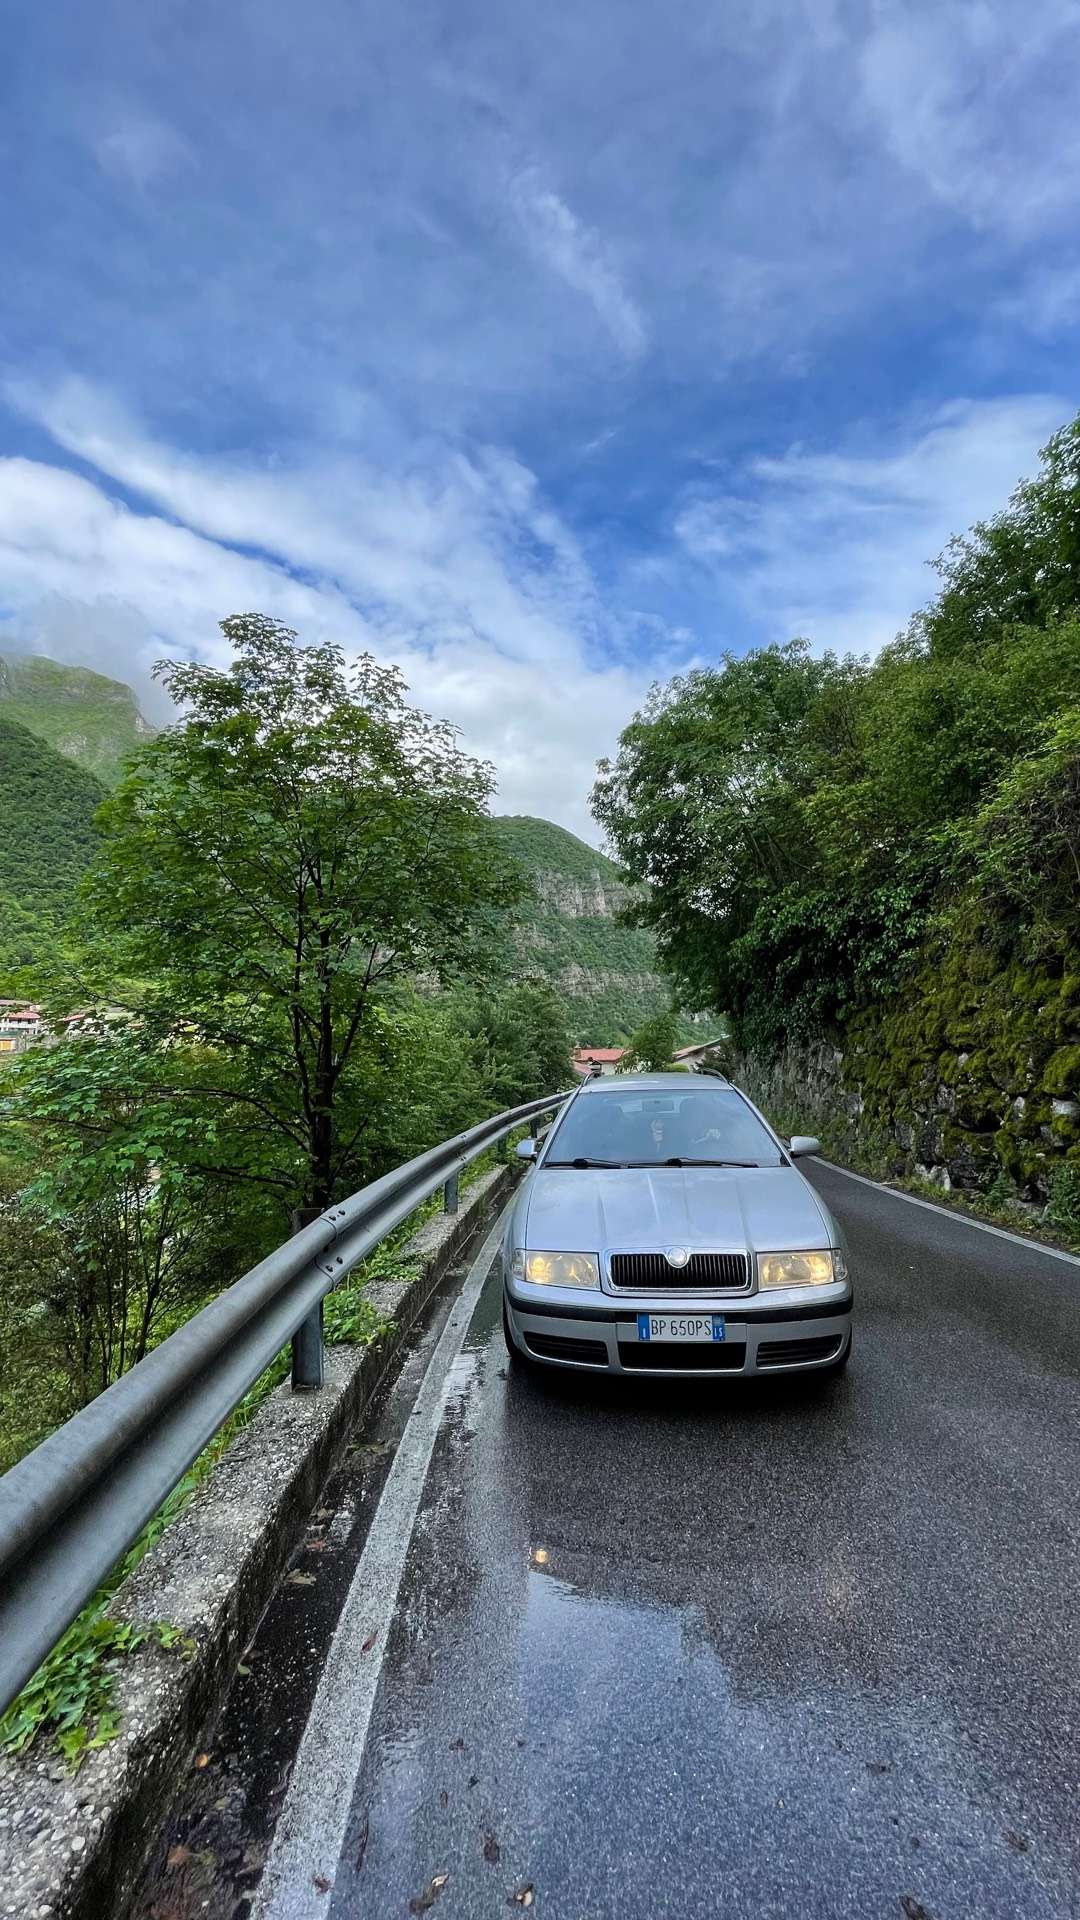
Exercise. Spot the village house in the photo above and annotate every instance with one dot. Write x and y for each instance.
(20, 1024)
(589, 1060)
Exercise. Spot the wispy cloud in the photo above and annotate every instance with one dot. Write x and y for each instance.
(463, 575)
(427, 335)
(139, 149)
(948, 90)
(578, 255)
(835, 545)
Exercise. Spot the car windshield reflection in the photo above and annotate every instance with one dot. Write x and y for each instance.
(704, 1127)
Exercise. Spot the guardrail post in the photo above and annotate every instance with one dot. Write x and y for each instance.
(534, 1125)
(307, 1341)
(450, 1193)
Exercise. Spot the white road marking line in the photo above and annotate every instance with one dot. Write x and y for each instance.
(310, 1832)
(958, 1219)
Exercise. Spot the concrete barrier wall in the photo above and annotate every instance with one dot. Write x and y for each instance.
(71, 1846)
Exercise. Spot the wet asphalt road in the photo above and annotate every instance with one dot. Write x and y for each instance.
(798, 1649)
(785, 1650)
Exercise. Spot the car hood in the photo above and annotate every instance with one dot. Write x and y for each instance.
(590, 1210)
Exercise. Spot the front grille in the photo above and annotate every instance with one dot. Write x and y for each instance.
(719, 1356)
(703, 1273)
(793, 1353)
(559, 1346)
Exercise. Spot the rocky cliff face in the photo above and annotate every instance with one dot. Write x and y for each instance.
(593, 899)
(570, 933)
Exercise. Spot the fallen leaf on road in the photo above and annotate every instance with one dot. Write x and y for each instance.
(321, 1883)
(246, 1671)
(202, 1759)
(458, 1745)
(317, 1545)
(913, 1909)
(878, 1766)
(523, 1897)
(369, 1642)
(444, 1798)
(492, 1851)
(474, 1779)
(1016, 1841)
(430, 1894)
(177, 1857)
(300, 1579)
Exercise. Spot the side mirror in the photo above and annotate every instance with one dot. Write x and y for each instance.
(526, 1149)
(802, 1144)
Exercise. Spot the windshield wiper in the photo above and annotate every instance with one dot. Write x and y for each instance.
(581, 1161)
(677, 1161)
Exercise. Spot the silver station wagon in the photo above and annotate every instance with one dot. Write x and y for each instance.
(664, 1229)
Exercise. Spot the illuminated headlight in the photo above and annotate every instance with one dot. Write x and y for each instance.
(799, 1269)
(557, 1269)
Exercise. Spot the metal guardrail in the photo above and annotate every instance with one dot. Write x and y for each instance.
(70, 1509)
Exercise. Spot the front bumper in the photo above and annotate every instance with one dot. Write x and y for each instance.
(790, 1332)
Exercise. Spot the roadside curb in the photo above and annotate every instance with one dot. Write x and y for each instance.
(71, 1847)
(957, 1214)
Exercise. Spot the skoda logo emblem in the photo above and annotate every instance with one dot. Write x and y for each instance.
(676, 1256)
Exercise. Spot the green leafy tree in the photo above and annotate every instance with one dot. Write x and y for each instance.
(1026, 842)
(521, 1043)
(652, 1047)
(709, 801)
(116, 1230)
(810, 826)
(271, 866)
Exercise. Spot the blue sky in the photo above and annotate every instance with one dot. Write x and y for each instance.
(544, 350)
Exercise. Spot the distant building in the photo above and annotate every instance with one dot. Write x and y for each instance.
(589, 1060)
(699, 1052)
(20, 1024)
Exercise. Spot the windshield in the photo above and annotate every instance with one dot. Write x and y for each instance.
(704, 1124)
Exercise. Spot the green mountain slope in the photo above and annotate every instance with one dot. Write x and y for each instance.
(47, 805)
(569, 934)
(81, 714)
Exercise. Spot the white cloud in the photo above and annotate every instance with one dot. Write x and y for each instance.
(834, 545)
(463, 576)
(445, 538)
(1048, 304)
(139, 151)
(577, 254)
(950, 91)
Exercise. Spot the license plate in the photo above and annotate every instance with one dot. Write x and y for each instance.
(680, 1326)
